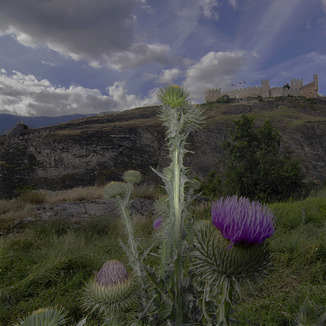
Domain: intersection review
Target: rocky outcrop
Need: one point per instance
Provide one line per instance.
(98, 149)
(97, 207)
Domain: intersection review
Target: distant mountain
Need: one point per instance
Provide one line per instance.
(8, 121)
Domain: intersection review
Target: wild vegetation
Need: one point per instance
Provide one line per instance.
(47, 263)
(190, 264)
(256, 166)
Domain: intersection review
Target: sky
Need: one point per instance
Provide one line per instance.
(61, 57)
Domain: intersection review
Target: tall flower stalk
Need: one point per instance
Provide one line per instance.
(179, 117)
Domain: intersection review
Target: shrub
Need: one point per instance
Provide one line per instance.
(256, 166)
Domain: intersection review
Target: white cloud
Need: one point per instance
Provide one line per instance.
(26, 95)
(207, 7)
(168, 75)
(214, 70)
(119, 94)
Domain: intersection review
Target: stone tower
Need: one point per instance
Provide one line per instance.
(296, 83)
(265, 88)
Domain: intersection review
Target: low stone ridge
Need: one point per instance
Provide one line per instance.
(97, 207)
(98, 149)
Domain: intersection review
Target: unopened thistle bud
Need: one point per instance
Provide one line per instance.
(132, 176)
(115, 189)
(112, 291)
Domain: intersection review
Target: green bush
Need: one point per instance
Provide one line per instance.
(224, 99)
(256, 166)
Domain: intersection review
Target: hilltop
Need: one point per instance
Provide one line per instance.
(8, 121)
(97, 149)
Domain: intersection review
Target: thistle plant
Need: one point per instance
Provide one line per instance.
(231, 250)
(223, 254)
(121, 192)
(201, 265)
(180, 118)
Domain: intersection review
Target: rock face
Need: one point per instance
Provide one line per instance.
(97, 207)
(99, 149)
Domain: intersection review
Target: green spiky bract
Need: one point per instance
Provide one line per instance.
(114, 299)
(223, 268)
(173, 96)
(45, 317)
(115, 189)
(132, 176)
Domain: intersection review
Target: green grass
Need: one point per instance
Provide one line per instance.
(299, 271)
(48, 263)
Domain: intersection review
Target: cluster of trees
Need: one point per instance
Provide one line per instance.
(257, 166)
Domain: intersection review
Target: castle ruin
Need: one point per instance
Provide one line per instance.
(296, 88)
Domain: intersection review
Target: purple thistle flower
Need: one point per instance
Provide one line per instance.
(157, 223)
(112, 273)
(242, 221)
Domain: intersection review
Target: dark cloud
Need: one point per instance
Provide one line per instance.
(93, 30)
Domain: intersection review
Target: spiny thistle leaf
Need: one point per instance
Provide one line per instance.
(132, 176)
(45, 317)
(115, 189)
(161, 207)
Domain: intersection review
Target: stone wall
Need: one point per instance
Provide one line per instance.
(245, 92)
(296, 89)
(276, 91)
(309, 90)
(212, 95)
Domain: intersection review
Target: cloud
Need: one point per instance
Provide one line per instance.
(214, 70)
(139, 54)
(119, 94)
(272, 25)
(168, 75)
(323, 2)
(207, 7)
(81, 30)
(233, 3)
(26, 95)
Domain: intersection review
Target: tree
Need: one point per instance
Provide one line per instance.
(257, 166)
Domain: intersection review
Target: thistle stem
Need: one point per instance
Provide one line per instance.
(223, 311)
(177, 235)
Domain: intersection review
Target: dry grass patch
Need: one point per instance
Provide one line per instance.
(12, 212)
(75, 194)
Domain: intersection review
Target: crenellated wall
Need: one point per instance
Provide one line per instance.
(296, 89)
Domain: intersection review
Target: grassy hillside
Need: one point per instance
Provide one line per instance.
(46, 263)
